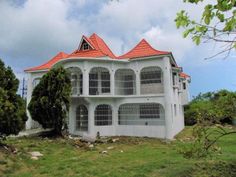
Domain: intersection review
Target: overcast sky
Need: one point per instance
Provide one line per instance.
(33, 31)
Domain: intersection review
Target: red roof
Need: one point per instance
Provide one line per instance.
(184, 75)
(49, 64)
(100, 49)
(142, 49)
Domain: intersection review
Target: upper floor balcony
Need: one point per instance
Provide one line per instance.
(100, 81)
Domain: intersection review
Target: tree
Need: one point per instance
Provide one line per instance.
(50, 100)
(221, 105)
(208, 111)
(12, 106)
(218, 24)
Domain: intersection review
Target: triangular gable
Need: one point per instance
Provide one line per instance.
(98, 48)
(85, 41)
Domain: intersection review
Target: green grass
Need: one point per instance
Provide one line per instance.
(140, 157)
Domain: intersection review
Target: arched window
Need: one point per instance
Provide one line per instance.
(125, 82)
(76, 77)
(103, 115)
(141, 114)
(151, 80)
(81, 118)
(99, 81)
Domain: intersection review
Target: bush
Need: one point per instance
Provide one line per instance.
(50, 100)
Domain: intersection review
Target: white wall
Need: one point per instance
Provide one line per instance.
(167, 97)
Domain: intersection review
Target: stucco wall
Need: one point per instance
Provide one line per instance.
(166, 96)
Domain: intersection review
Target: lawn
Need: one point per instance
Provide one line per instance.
(128, 157)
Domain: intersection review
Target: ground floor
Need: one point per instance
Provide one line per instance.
(143, 117)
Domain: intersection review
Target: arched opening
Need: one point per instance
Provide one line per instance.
(76, 77)
(103, 115)
(151, 80)
(99, 81)
(125, 82)
(141, 114)
(82, 118)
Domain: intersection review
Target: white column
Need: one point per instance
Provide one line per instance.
(85, 80)
(114, 118)
(168, 90)
(112, 81)
(72, 119)
(138, 84)
(91, 109)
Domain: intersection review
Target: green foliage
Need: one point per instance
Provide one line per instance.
(12, 106)
(50, 100)
(205, 136)
(207, 111)
(218, 23)
(219, 106)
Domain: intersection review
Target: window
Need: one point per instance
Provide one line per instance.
(125, 82)
(105, 81)
(184, 85)
(74, 84)
(76, 78)
(99, 81)
(150, 76)
(85, 46)
(81, 118)
(149, 111)
(93, 84)
(141, 114)
(103, 115)
(151, 80)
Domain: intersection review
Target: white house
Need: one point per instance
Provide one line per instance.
(140, 93)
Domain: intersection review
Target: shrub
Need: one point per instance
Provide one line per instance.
(50, 100)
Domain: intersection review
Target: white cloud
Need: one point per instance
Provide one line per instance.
(162, 39)
(38, 29)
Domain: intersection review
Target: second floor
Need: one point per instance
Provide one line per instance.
(141, 71)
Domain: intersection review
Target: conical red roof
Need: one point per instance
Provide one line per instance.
(142, 49)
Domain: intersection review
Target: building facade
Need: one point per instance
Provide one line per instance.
(140, 93)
